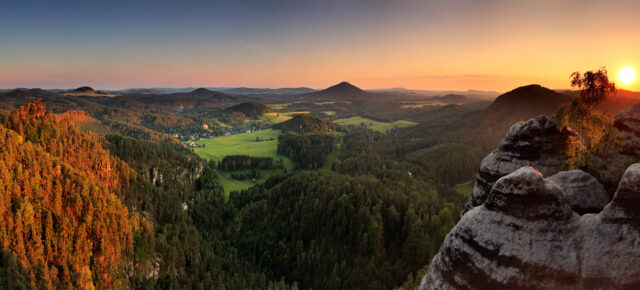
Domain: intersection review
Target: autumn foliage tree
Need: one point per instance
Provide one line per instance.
(61, 213)
(581, 115)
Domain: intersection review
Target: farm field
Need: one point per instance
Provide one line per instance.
(242, 144)
(374, 125)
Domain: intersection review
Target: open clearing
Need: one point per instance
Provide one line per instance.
(279, 117)
(374, 125)
(275, 117)
(464, 188)
(242, 144)
(278, 106)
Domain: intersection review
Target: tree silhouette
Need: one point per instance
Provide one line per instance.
(581, 114)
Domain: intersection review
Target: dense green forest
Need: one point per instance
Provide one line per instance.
(374, 222)
(359, 208)
(368, 225)
(308, 151)
(305, 123)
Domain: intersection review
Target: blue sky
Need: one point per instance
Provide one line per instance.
(452, 44)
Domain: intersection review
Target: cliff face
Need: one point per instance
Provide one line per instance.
(537, 143)
(526, 236)
(521, 230)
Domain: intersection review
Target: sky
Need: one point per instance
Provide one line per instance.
(438, 45)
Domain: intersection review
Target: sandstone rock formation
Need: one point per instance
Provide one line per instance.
(537, 142)
(520, 230)
(525, 236)
(581, 191)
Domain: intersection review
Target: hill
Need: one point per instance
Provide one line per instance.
(252, 110)
(197, 99)
(206, 93)
(305, 123)
(62, 217)
(84, 90)
(342, 91)
(528, 101)
(256, 92)
(455, 99)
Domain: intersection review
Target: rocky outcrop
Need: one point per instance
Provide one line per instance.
(525, 236)
(581, 191)
(628, 124)
(537, 142)
(196, 172)
(156, 176)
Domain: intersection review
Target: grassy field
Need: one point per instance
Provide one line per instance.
(279, 117)
(464, 188)
(242, 144)
(278, 106)
(331, 158)
(374, 125)
(329, 113)
(275, 117)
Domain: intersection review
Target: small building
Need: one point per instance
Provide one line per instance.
(227, 133)
(205, 126)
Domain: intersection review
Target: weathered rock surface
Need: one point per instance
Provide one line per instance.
(537, 142)
(525, 236)
(583, 192)
(156, 176)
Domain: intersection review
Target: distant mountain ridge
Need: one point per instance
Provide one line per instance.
(263, 92)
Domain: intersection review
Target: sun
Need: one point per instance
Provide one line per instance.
(627, 75)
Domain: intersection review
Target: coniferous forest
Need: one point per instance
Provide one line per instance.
(112, 211)
(405, 145)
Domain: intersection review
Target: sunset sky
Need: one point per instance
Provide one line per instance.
(446, 44)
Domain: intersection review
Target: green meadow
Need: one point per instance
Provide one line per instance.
(464, 188)
(374, 125)
(242, 144)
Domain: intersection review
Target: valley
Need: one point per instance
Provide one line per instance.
(298, 145)
(349, 181)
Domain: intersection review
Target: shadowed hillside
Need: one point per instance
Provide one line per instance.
(304, 123)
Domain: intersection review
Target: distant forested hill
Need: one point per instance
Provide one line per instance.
(307, 123)
(251, 109)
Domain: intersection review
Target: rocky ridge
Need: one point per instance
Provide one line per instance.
(537, 142)
(520, 230)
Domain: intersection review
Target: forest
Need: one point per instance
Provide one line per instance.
(262, 197)
(366, 222)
